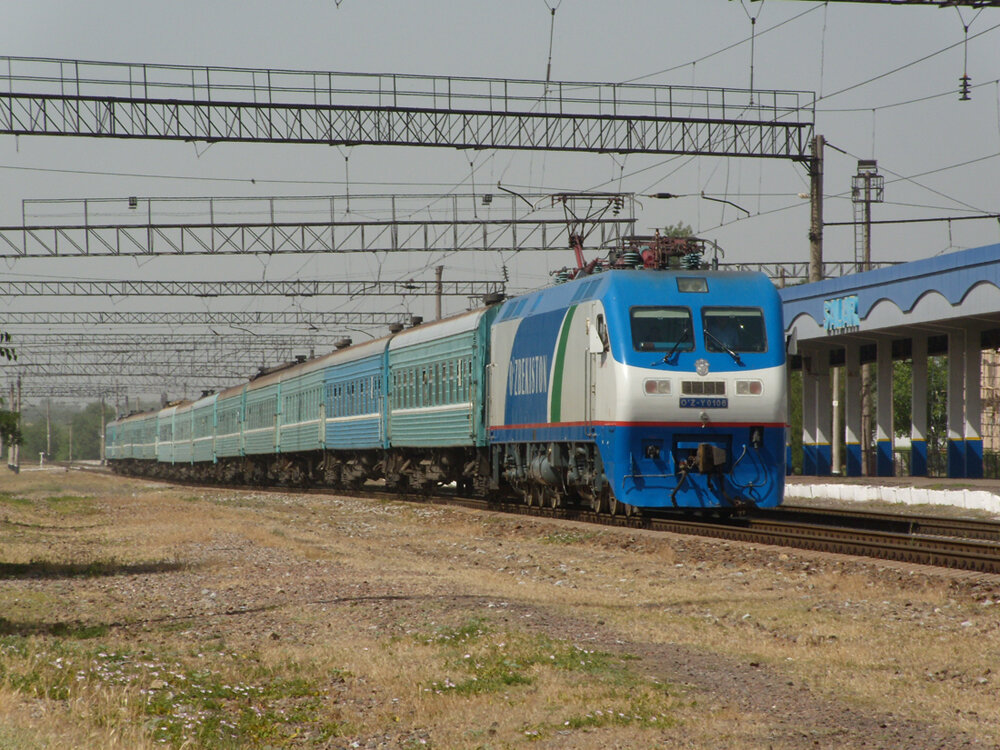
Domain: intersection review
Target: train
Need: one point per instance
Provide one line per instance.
(622, 392)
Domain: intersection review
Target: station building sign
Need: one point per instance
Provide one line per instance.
(841, 314)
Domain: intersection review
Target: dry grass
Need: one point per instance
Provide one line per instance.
(135, 615)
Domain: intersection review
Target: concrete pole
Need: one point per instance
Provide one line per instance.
(852, 408)
(973, 405)
(918, 407)
(17, 448)
(837, 430)
(956, 404)
(816, 209)
(884, 429)
(102, 429)
(821, 370)
(808, 415)
(438, 292)
(10, 448)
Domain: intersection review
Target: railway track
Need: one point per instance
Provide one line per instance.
(922, 540)
(963, 544)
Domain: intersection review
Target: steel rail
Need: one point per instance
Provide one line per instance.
(966, 528)
(916, 549)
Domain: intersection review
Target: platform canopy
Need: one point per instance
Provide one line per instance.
(930, 296)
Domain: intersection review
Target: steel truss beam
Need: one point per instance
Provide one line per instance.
(312, 288)
(292, 238)
(939, 3)
(795, 272)
(36, 341)
(274, 225)
(35, 385)
(59, 389)
(243, 319)
(119, 100)
(225, 360)
(126, 366)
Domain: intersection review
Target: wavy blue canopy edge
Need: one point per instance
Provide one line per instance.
(952, 276)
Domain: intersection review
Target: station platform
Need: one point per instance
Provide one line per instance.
(970, 494)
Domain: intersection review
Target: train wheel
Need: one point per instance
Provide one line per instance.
(555, 500)
(599, 501)
(614, 507)
(536, 496)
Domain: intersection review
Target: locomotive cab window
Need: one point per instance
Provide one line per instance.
(737, 329)
(661, 329)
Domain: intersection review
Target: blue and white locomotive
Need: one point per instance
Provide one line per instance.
(642, 389)
(620, 391)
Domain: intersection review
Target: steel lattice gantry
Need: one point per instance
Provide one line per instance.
(120, 354)
(314, 288)
(939, 3)
(42, 96)
(307, 320)
(36, 341)
(367, 223)
(132, 363)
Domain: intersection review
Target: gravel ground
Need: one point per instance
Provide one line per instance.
(271, 568)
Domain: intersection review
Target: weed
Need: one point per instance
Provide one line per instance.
(568, 537)
(491, 662)
(228, 700)
(8, 499)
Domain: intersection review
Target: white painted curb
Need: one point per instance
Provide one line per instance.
(970, 499)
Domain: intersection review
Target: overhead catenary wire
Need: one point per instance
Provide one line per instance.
(719, 51)
(905, 66)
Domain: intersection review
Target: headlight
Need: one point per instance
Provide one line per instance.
(657, 387)
(749, 387)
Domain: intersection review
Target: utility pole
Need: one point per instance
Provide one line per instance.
(10, 448)
(867, 187)
(17, 448)
(48, 427)
(102, 430)
(816, 209)
(438, 270)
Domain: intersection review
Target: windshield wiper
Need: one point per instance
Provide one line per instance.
(725, 347)
(672, 352)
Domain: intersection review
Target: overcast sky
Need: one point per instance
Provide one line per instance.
(939, 155)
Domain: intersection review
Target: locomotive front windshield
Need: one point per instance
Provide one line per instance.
(734, 329)
(661, 329)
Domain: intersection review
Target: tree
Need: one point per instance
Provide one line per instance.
(937, 408)
(10, 430)
(680, 229)
(87, 430)
(6, 351)
(38, 437)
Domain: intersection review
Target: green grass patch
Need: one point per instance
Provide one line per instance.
(481, 660)
(568, 537)
(8, 499)
(217, 699)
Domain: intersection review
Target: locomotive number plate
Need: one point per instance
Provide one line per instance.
(704, 403)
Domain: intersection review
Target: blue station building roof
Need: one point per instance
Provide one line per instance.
(960, 288)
